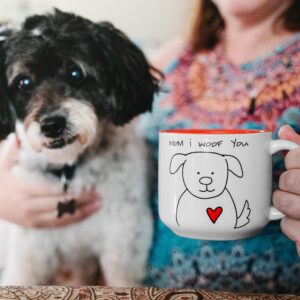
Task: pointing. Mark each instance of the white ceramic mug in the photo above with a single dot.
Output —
(217, 184)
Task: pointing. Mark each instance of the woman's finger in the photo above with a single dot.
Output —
(42, 188)
(44, 204)
(49, 203)
(286, 132)
(85, 211)
(291, 228)
(289, 181)
(292, 159)
(36, 190)
(287, 203)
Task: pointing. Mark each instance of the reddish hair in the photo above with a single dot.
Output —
(208, 24)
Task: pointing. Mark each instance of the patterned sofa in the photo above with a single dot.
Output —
(78, 293)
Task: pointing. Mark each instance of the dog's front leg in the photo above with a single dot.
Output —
(29, 260)
(124, 256)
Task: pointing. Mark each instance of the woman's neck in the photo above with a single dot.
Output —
(248, 38)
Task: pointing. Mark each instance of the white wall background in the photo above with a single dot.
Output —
(150, 21)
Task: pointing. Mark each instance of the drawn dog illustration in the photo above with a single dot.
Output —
(206, 200)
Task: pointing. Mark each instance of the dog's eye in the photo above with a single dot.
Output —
(25, 84)
(212, 173)
(76, 75)
(198, 173)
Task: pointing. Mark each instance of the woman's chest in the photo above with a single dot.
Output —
(211, 94)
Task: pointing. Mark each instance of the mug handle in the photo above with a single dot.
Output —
(278, 145)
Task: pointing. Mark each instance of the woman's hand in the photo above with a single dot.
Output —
(287, 198)
(31, 204)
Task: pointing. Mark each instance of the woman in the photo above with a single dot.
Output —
(221, 78)
(240, 69)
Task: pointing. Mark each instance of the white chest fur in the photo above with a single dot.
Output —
(118, 237)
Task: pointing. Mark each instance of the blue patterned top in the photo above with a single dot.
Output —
(205, 90)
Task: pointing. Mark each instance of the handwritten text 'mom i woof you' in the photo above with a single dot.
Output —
(207, 144)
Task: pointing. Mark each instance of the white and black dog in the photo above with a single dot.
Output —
(74, 86)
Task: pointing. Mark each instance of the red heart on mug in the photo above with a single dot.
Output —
(214, 214)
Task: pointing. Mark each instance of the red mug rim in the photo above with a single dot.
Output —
(215, 131)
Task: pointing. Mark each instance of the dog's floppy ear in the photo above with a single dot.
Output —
(234, 165)
(130, 82)
(177, 161)
(6, 114)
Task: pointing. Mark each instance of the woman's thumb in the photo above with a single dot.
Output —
(9, 151)
(286, 132)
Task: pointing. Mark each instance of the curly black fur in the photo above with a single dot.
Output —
(6, 115)
(119, 81)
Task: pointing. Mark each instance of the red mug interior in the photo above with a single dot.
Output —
(214, 131)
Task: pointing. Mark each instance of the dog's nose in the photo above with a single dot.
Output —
(53, 127)
(205, 180)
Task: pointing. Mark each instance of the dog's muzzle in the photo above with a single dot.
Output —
(53, 127)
